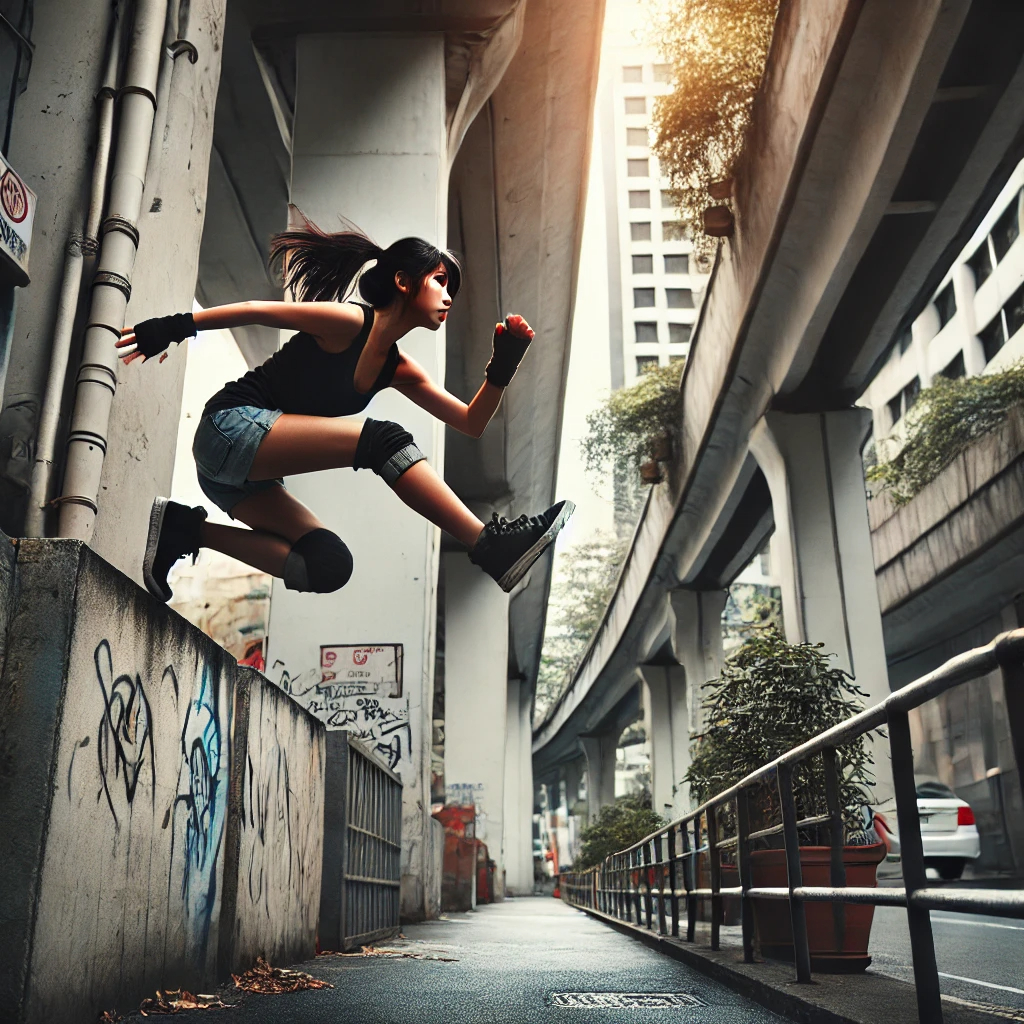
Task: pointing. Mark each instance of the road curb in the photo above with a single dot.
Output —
(831, 999)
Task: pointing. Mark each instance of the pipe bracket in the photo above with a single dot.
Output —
(105, 327)
(180, 46)
(122, 224)
(137, 90)
(85, 377)
(74, 499)
(88, 437)
(113, 280)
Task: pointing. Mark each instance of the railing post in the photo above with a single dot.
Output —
(837, 869)
(801, 951)
(743, 860)
(636, 859)
(922, 946)
(715, 871)
(659, 851)
(673, 881)
(691, 900)
(647, 873)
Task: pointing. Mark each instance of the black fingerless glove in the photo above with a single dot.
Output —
(507, 353)
(153, 336)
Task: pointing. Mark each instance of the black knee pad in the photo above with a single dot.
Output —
(319, 561)
(387, 448)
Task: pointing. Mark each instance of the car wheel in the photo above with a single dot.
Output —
(949, 868)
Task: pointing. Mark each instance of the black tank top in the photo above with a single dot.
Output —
(302, 378)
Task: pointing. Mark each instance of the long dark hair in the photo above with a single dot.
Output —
(320, 266)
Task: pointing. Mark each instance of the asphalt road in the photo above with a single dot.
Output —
(980, 959)
(507, 963)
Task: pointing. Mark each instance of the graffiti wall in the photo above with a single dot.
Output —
(128, 772)
(359, 688)
(276, 828)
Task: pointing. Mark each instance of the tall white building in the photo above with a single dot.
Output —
(974, 323)
(654, 289)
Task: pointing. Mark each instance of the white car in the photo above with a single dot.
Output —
(948, 830)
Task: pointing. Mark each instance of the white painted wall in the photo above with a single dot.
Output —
(372, 149)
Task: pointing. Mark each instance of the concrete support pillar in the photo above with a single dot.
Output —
(476, 697)
(667, 723)
(814, 472)
(517, 816)
(600, 754)
(382, 164)
(696, 617)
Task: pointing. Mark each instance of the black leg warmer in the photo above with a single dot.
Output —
(387, 448)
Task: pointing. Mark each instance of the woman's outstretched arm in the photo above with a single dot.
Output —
(337, 321)
(414, 382)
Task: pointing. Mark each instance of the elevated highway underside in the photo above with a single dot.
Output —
(881, 135)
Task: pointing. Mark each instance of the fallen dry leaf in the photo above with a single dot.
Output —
(273, 980)
(392, 953)
(109, 1017)
(177, 1000)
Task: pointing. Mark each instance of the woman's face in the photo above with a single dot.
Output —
(432, 302)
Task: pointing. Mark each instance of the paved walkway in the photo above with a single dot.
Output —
(513, 962)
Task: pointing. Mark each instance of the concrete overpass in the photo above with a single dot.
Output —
(881, 135)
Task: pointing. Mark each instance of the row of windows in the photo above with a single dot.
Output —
(635, 72)
(647, 333)
(640, 199)
(675, 298)
(673, 264)
(901, 403)
(997, 244)
(644, 363)
(1005, 324)
(671, 231)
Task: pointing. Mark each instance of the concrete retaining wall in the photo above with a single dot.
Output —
(120, 737)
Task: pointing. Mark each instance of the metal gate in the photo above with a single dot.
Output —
(359, 900)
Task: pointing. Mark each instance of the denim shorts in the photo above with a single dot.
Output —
(224, 447)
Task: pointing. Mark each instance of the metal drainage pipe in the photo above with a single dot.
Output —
(97, 375)
(78, 246)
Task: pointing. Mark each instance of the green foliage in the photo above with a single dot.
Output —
(618, 826)
(622, 430)
(717, 50)
(947, 418)
(585, 576)
(771, 697)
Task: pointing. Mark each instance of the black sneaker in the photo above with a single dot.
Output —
(505, 551)
(174, 531)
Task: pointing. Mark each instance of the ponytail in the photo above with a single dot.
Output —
(319, 266)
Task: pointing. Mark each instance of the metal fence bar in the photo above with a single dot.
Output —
(798, 917)
(746, 879)
(922, 947)
(659, 850)
(837, 869)
(672, 882)
(691, 900)
(715, 871)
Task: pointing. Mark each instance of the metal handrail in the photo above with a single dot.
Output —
(639, 884)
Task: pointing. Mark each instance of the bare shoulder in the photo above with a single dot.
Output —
(335, 325)
(408, 372)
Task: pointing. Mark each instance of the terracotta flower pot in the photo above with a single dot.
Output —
(771, 917)
(650, 472)
(718, 221)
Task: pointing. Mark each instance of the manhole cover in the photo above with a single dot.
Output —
(626, 1000)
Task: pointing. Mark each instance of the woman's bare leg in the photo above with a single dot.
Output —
(278, 520)
(308, 444)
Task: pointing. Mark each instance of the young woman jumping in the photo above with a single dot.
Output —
(294, 414)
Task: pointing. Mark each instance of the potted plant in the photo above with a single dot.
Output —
(771, 697)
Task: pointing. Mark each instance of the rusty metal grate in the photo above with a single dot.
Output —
(626, 1000)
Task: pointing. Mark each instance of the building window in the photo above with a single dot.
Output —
(945, 305)
(1014, 310)
(902, 403)
(646, 333)
(895, 407)
(638, 168)
(954, 368)
(677, 264)
(640, 200)
(679, 334)
(981, 264)
(1007, 228)
(643, 264)
(679, 298)
(637, 137)
(906, 339)
(673, 231)
(667, 202)
(663, 72)
(640, 231)
(644, 363)
(992, 337)
(636, 104)
(633, 73)
(643, 297)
